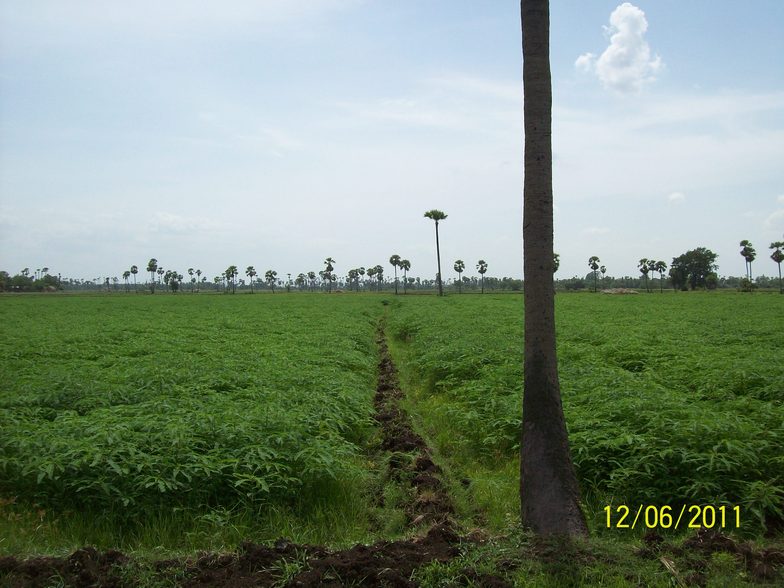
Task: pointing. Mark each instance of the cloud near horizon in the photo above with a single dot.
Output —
(626, 64)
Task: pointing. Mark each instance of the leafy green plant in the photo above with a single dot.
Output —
(684, 407)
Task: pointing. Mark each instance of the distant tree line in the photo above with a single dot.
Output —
(693, 270)
(40, 281)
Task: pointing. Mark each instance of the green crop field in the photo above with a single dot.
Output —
(196, 421)
(670, 400)
(127, 406)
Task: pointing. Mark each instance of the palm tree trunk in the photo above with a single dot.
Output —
(549, 493)
(438, 256)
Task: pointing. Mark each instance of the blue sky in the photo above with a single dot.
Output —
(275, 133)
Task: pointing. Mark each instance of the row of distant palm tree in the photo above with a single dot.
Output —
(649, 265)
(38, 275)
(327, 275)
(459, 267)
(173, 279)
(749, 254)
(646, 265)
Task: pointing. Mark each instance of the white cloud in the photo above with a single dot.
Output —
(676, 197)
(585, 62)
(775, 220)
(147, 17)
(409, 111)
(701, 153)
(781, 198)
(163, 222)
(469, 86)
(626, 65)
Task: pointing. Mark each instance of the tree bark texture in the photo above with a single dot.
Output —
(549, 493)
(438, 257)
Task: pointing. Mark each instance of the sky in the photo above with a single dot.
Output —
(275, 133)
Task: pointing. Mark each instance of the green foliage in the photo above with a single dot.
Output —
(693, 268)
(148, 403)
(682, 407)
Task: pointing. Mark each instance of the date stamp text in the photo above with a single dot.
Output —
(693, 516)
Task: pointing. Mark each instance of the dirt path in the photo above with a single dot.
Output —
(431, 502)
(385, 563)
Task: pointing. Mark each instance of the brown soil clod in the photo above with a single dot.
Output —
(431, 502)
(762, 564)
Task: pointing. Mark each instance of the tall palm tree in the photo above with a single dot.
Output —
(271, 276)
(437, 215)
(395, 262)
(593, 263)
(481, 267)
(644, 266)
(198, 275)
(459, 267)
(231, 273)
(152, 267)
(405, 265)
(371, 273)
(660, 267)
(749, 254)
(329, 263)
(379, 273)
(126, 275)
(549, 495)
(353, 278)
(250, 271)
(778, 257)
(134, 271)
(361, 271)
(193, 280)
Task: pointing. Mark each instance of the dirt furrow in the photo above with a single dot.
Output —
(431, 502)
